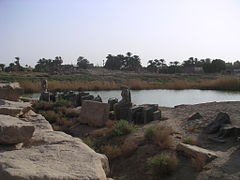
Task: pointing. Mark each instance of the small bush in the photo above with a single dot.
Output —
(150, 132)
(62, 103)
(162, 164)
(160, 135)
(121, 128)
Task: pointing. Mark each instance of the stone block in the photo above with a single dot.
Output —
(220, 120)
(10, 91)
(14, 131)
(94, 113)
(156, 115)
(111, 102)
(45, 96)
(196, 152)
(14, 108)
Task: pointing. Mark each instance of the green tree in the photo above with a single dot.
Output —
(82, 62)
(2, 66)
(114, 62)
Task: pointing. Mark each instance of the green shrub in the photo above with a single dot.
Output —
(162, 164)
(121, 128)
(150, 132)
(62, 103)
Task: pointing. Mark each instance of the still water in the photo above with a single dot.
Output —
(172, 98)
(169, 98)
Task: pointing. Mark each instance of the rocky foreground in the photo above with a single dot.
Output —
(30, 149)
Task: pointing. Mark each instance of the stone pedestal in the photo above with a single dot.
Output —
(45, 96)
(122, 112)
(94, 113)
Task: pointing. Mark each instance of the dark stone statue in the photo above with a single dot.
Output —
(122, 108)
(45, 95)
(44, 85)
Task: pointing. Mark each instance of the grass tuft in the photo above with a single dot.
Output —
(160, 135)
(162, 164)
(121, 128)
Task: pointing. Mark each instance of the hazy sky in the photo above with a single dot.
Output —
(169, 29)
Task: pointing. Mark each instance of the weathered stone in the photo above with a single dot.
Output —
(148, 112)
(220, 120)
(136, 115)
(87, 97)
(51, 155)
(196, 152)
(14, 131)
(14, 108)
(194, 116)
(98, 98)
(94, 113)
(157, 115)
(111, 102)
(228, 130)
(122, 112)
(122, 108)
(10, 91)
(45, 96)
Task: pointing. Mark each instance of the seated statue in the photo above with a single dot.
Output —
(121, 109)
(45, 95)
(44, 85)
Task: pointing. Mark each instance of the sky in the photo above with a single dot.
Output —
(171, 29)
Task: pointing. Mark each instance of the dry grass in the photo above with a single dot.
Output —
(160, 135)
(99, 132)
(114, 151)
(128, 149)
(223, 83)
(162, 164)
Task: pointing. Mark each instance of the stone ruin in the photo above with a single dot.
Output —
(30, 149)
(10, 91)
(138, 114)
(221, 128)
(75, 97)
(116, 110)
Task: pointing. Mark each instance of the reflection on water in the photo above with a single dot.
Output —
(169, 98)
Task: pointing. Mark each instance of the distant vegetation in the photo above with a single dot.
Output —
(124, 69)
(128, 62)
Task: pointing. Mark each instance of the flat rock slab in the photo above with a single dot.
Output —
(13, 108)
(53, 155)
(94, 113)
(196, 152)
(14, 131)
(10, 91)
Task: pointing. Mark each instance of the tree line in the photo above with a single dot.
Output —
(127, 62)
